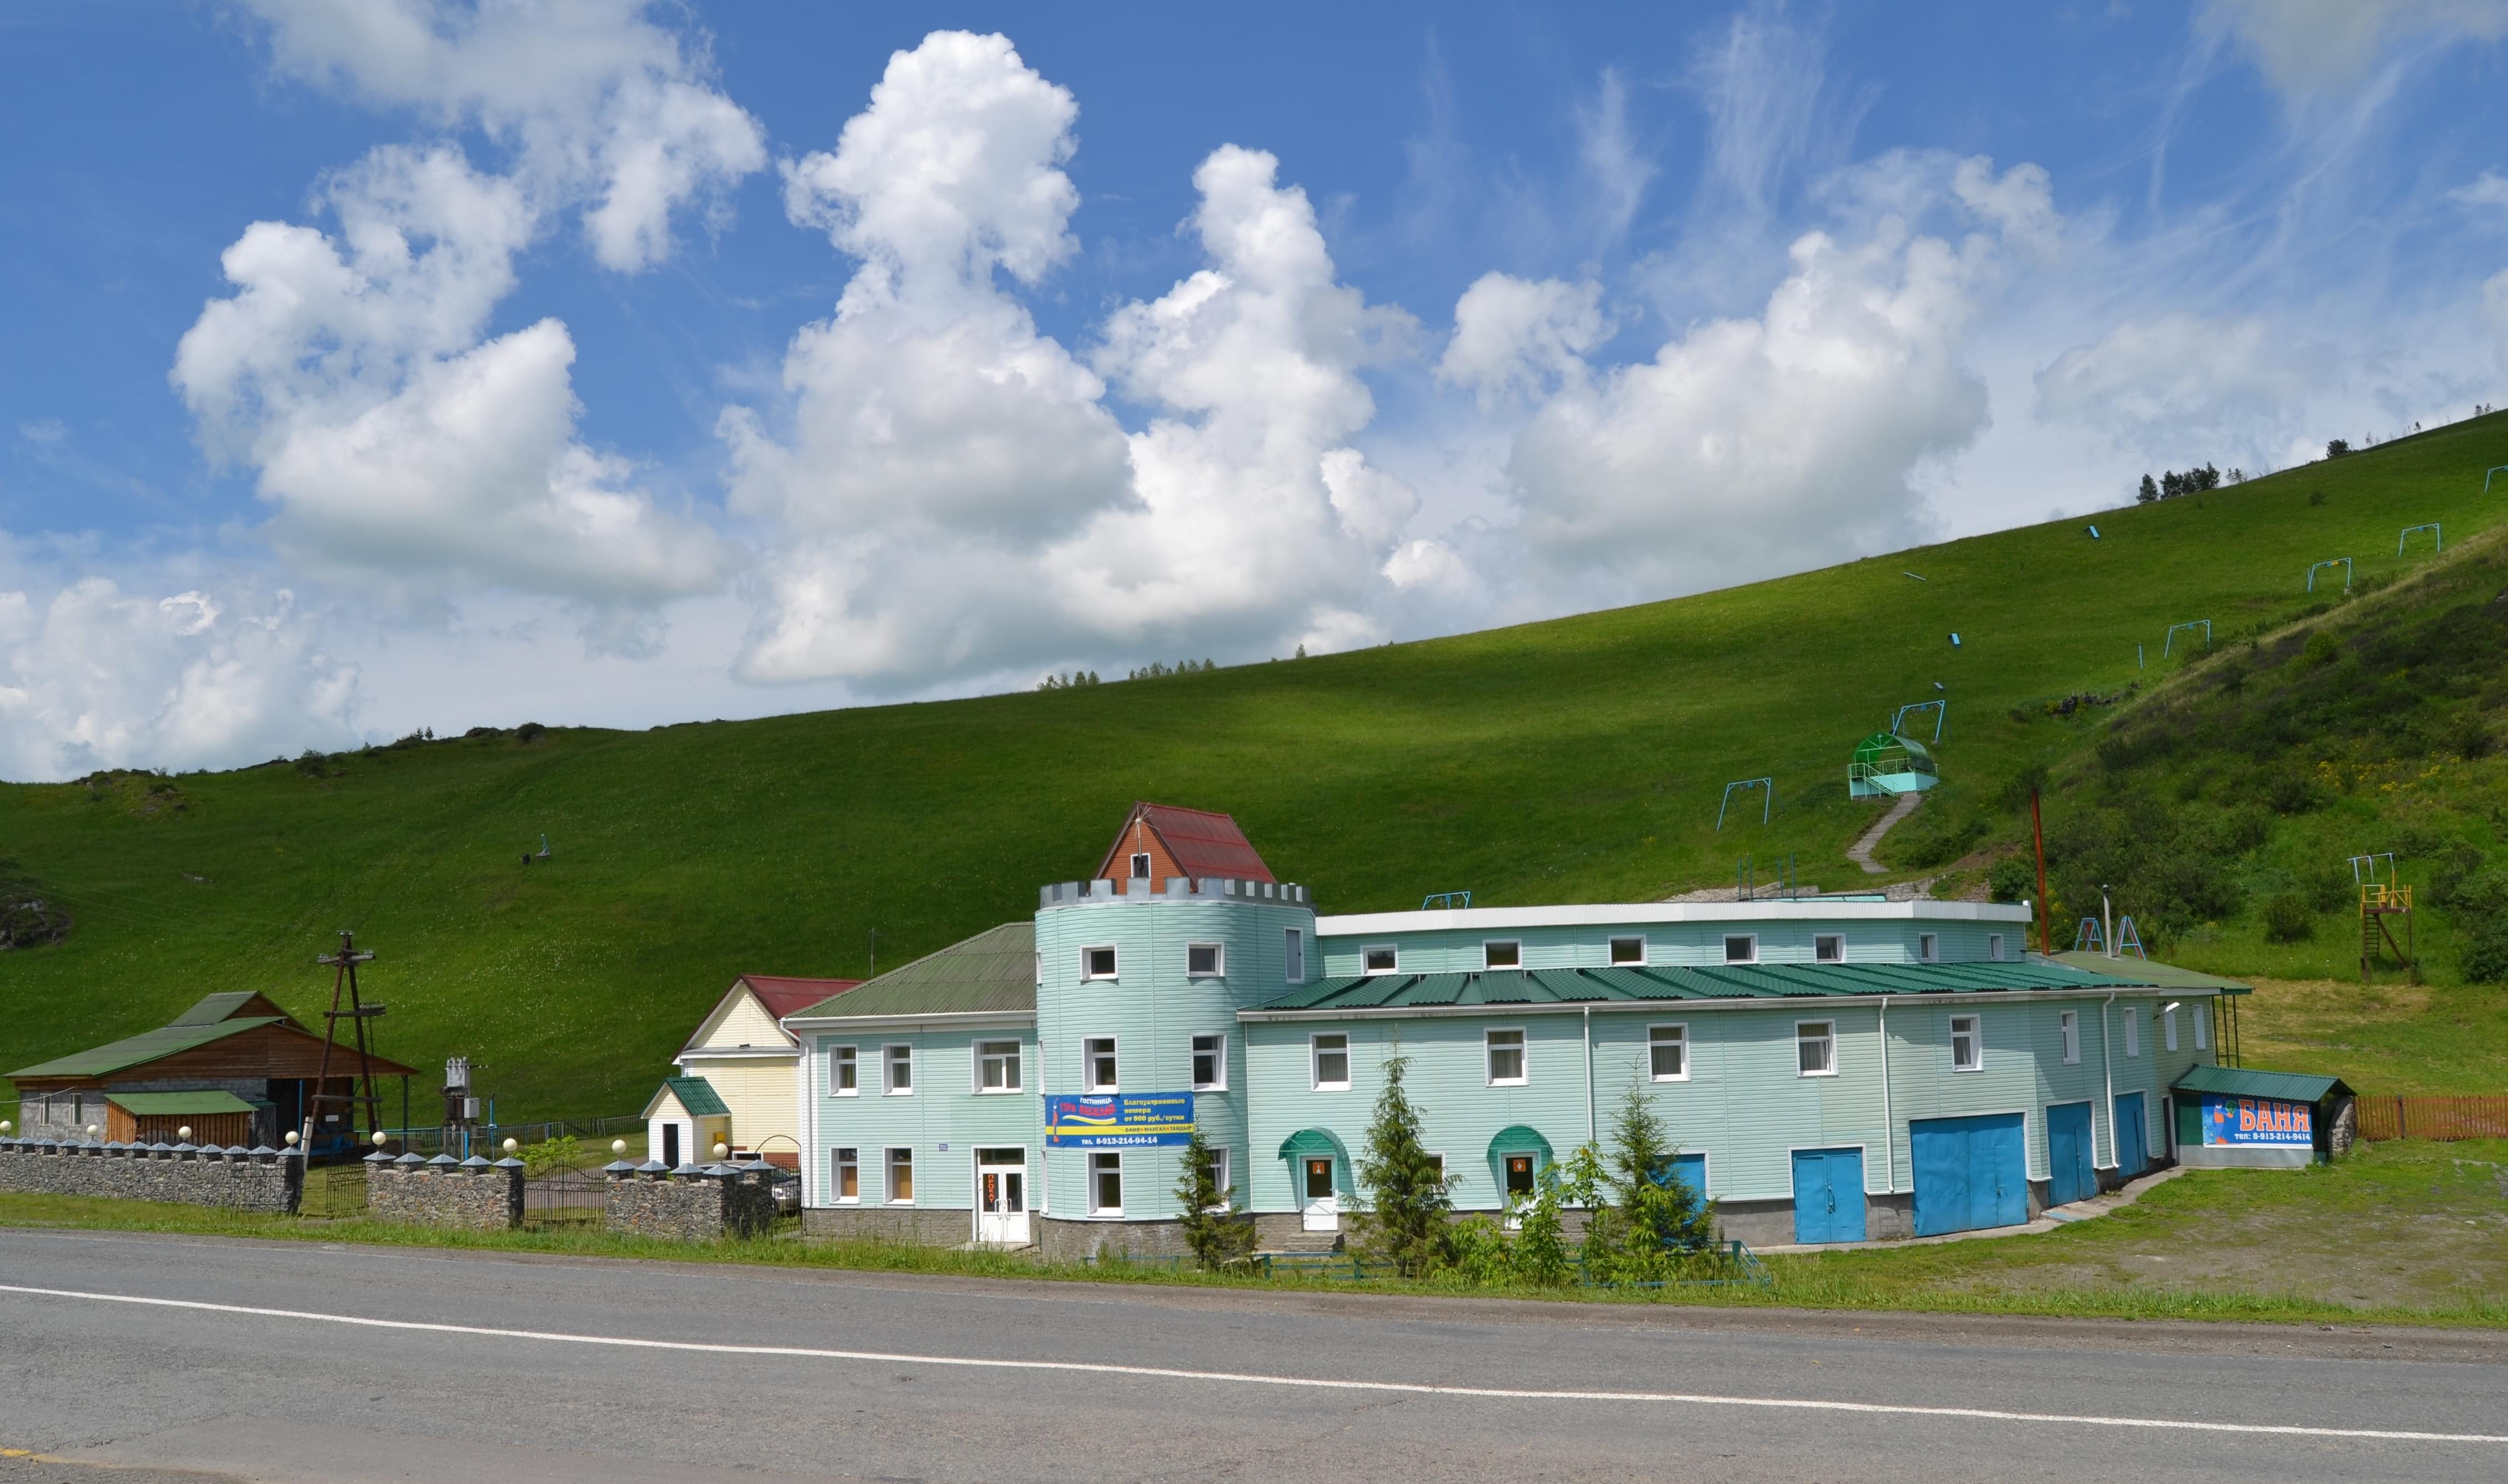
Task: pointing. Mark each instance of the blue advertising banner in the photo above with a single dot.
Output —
(1118, 1120)
(2257, 1121)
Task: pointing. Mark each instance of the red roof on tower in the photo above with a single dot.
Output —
(1196, 842)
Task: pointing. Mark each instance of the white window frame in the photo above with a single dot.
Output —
(2133, 1030)
(848, 1057)
(888, 1060)
(1680, 1036)
(1017, 1081)
(1994, 946)
(1218, 961)
(1975, 1035)
(1391, 951)
(1315, 1061)
(1827, 1038)
(1751, 939)
(1611, 950)
(1087, 974)
(2068, 1025)
(1218, 1061)
(1099, 1161)
(889, 1164)
(1514, 946)
(2203, 1026)
(2168, 1029)
(1088, 1082)
(1219, 1178)
(1532, 1155)
(840, 1159)
(1522, 1056)
(1929, 948)
(1139, 866)
(1822, 944)
(1293, 955)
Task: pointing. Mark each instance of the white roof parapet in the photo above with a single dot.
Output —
(1176, 889)
(1633, 913)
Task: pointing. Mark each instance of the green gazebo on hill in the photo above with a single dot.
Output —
(1886, 763)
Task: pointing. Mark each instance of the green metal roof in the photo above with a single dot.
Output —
(1726, 981)
(2165, 975)
(695, 1094)
(163, 1105)
(138, 1050)
(2252, 1082)
(992, 972)
(213, 1009)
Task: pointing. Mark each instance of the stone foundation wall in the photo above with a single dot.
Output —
(264, 1180)
(1070, 1240)
(917, 1225)
(698, 1208)
(480, 1198)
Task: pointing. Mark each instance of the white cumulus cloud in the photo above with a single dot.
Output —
(2180, 376)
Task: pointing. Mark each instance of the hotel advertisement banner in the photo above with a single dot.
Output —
(2234, 1120)
(1118, 1120)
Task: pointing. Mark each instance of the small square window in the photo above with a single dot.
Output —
(1628, 951)
(1202, 960)
(997, 1066)
(1141, 866)
(848, 1177)
(1828, 948)
(1097, 1064)
(843, 1075)
(1331, 1062)
(1105, 1185)
(1741, 948)
(1668, 1052)
(1994, 946)
(1929, 946)
(1097, 962)
(2071, 1023)
(1504, 953)
(901, 1176)
(1816, 1047)
(900, 1070)
(1505, 1057)
(1383, 959)
(1210, 1063)
(1968, 1044)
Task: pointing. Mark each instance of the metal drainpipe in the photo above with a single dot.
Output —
(1889, 1121)
(2107, 1075)
(1589, 1074)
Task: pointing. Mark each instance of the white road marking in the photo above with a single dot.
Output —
(1311, 1383)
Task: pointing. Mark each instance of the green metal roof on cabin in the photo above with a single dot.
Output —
(2165, 975)
(214, 1008)
(138, 1050)
(992, 972)
(696, 1095)
(168, 1104)
(2252, 1082)
(1726, 981)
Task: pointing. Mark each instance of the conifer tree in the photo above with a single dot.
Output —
(1405, 1223)
(1213, 1230)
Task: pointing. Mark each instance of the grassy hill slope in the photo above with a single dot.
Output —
(1578, 759)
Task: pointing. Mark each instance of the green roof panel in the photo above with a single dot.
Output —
(992, 972)
(1718, 982)
(695, 1094)
(213, 1009)
(141, 1049)
(2255, 1082)
(170, 1104)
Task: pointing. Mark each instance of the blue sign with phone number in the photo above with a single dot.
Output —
(2231, 1121)
(1118, 1120)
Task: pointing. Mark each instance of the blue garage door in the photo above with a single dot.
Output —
(2070, 1173)
(1971, 1173)
(1690, 1169)
(2132, 1136)
(1828, 1195)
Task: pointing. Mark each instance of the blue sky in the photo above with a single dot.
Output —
(438, 363)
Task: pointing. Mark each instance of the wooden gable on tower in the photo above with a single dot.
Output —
(1160, 841)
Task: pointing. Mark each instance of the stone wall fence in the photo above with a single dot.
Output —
(468, 1195)
(694, 1203)
(232, 1178)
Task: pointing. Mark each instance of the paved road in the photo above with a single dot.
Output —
(499, 1367)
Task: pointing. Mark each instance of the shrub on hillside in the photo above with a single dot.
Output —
(2013, 878)
(2470, 738)
(2321, 649)
(2287, 918)
(2485, 953)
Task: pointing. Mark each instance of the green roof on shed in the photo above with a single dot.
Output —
(146, 1047)
(1721, 982)
(214, 1008)
(167, 1104)
(992, 972)
(2254, 1082)
(695, 1094)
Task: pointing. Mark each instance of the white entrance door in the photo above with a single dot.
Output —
(1001, 1197)
(1324, 1203)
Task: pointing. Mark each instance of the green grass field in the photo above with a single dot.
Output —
(1578, 759)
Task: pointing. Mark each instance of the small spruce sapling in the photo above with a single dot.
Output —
(1405, 1223)
(1215, 1234)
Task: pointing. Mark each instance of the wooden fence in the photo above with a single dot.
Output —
(2385, 1116)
